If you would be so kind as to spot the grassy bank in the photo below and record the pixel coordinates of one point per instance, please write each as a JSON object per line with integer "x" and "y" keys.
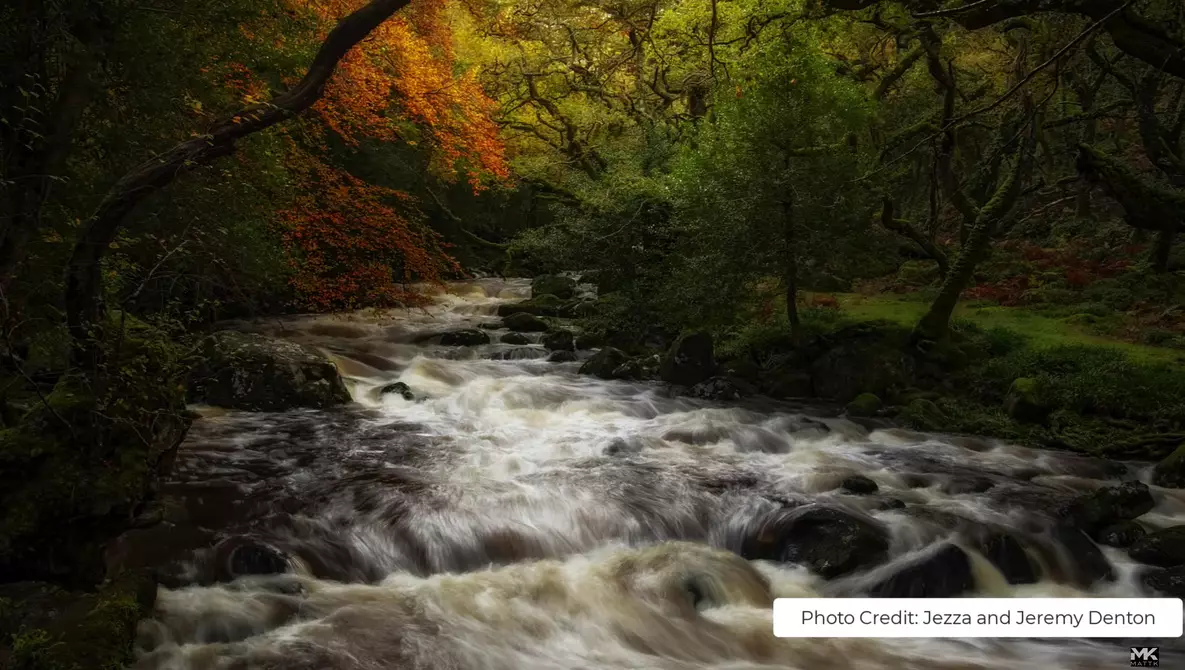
{"x": 1005, "y": 372}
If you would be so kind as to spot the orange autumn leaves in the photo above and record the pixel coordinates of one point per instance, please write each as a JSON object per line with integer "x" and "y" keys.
{"x": 353, "y": 244}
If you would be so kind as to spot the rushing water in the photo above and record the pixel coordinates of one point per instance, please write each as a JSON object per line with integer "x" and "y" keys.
{"x": 518, "y": 515}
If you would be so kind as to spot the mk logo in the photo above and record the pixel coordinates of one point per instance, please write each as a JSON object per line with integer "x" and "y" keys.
{"x": 1145, "y": 657}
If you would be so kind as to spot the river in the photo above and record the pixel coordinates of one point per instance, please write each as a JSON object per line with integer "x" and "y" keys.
{"x": 518, "y": 515}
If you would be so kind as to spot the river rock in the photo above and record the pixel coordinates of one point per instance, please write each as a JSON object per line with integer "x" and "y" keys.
{"x": 559, "y": 340}
{"x": 400, "y": 388}
{"x": 689, "y": 360}
{"x": 464, "y": 338}
{"x": 586, "y": 341}
{"x": 1027, "y": 401}
{"x": 860, "y": 364}
{"x": 525, "y": 323}
{"x": 1010, "y": 558}
{"x": 1107, "y": 506}
{"x": 557, "y": 285}
{"x": 638, "y": 368}
{"x": 944, "y": 573}
{"x": 1170, "y": 473}
{"x": 1167, "y": 581}
{"x": 561, "y": 356}
{"x": 543, "y": 305}
{"x": 253, "y": 372}
{"x": 603, "y": 363}
{"x": 575, "y": 309}
{"x": 716, "y": 388}
{"x": 859, "y": 484}
{"x": 1122, "y": 534}
{"x": 830, "y": 541}
{"x": 514, "y": 338}
{"x": 864, "y": 405}
{"x": 1165, "y": 548}
{"x": 1086, "y": 563}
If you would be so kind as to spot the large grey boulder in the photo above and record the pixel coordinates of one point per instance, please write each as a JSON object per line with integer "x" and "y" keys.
{"x": 253, "y": 372}
{"x": 689, "y": 361}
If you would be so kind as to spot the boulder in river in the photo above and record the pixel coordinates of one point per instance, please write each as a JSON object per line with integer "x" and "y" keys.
{"x": 253, "y": 372}
{"x": 689, "y": 360}
{"x": 603, "y": 363}
{"x": 1107, "y": 506}
{"x": 543, "y": 305}
{"x": 1027, "y": 401}
{"x": 525, "y": 323}
{"x": 1086, "y": 563}
{"x": 860, "y": 363}
{"x": 590, "y": 340}
{"x": 638, "y": 368}
{"x": 859, "y": 484}
{"x": 1165, "y": 548}
{"x": 514, "y": 338}
{"x": 1009, "y": 556}
{"x": 561, "y": 356}
{"x": 559, "y": 340}
{"x": 1122, "y": 534}
{"x": 830, "y": 541}
{"x": 1166, "y": 581}
{"x": 400, "y": 388}
{"x": 864, "y": 405}
{"x": 464, "y": 338}
{"x": 943, "y": 573}
{"x": 557, "y": 285}
{"x": 716, "y": 388}
{"x": 1170, "y": 473}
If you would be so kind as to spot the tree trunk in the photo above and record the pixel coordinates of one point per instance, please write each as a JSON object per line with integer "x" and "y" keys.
{"x": 1082, "y": 204}
{"x": 790, "y": 268}
{"x": 84, "y": 283}
{"x": 1162, "y": 249}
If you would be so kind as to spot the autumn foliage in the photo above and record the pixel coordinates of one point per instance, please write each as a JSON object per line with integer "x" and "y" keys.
{"x": 353, "y": 244}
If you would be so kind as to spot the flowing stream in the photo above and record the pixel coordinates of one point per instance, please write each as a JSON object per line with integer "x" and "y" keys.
{"x": 518, "y": 515}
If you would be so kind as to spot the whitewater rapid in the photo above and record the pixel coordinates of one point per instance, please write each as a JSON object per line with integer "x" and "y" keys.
{"x": 518, "y": 515}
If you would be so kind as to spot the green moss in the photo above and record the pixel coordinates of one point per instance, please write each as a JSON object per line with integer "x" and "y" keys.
{"x": 1171, "y": 471}
{"x": 863, "y": 405}
{"x": 33, "y": 650}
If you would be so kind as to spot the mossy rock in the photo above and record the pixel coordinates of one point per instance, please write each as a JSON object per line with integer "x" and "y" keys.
{"x": 1027, "y": 400}
{"x": 540, "y": 305}
{"x": 61, "y": 630}
{"x": 556, "y": 285}
{"x": 1170, "y": 472}
{"x": 257, "y": 373}
{"x": 923, "y": 414}
{"x": 864, "y": 405}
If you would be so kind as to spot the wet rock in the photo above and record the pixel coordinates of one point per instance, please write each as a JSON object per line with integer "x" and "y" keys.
{"x": 965, "y": 485}
{"x": 557, "y": 285}
{"x": 490, "y": 325}
{"x": 1085, "y": 562}
{"x": 252, "y": 372}
{"x": 638, "y": 368}
{"x": 464, "y": 338}
{"x": 860, "y": 485}
{"x": 603, "y": 363}
{"x": 575, "y": 309}
{"x": 716, "y": 388}
{"x": 689, "y": 360}
{"x": 1167, "y": 581}
{"x": 1010, "y": 558}
{"x": 561, "y": 357}
{"x": 1170, "y": 473}
{"x": 944, "y": 573}
{"x": 400, "y": 388}
{"x": 1122, "y": 534}
{"x": 1107, "y": 506}
{"x": 861, "y": 363}
{"x": 890, "y": 503}
{"x": 522, "y": 322}
{"x": 238, "y": 556}
{"x": 829, "y": 541}
{"x": 543, "y": 305}
{"x": 586, "y": 341}
{"x": 923, "y": 414}
{"x": 622, "y": 447}
{"x": 559, "y": 340}
{"x": 785, "y": 383}
{"x": 1027, "y": 401}
{"x": 1164, "y": 548}
{"x": 514, "y": 338}
{"x": 864, "y": 405}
